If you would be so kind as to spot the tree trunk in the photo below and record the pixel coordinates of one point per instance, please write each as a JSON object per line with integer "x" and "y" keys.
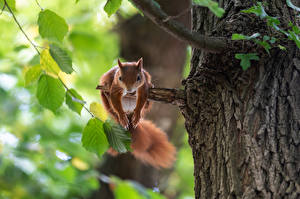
{"x": 244, "y": 127}
{"x": 162, "y": 55}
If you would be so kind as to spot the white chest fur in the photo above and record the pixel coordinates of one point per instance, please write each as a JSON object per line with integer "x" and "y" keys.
{"x": 128, "y": 104}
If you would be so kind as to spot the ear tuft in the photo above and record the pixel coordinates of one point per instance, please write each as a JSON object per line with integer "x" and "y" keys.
{"x": 119, "y": 63}
{"x": 139, "y": 63}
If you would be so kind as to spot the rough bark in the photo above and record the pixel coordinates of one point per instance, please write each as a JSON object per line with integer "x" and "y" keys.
{"x": 244, "y": 127}
{"x": 162, "y": 55}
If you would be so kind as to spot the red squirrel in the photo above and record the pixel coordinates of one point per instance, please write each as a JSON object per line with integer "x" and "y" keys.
{"x": 127, "y": 102}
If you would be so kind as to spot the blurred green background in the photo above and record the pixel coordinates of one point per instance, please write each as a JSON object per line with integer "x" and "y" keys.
{"x": 41, "y": 155}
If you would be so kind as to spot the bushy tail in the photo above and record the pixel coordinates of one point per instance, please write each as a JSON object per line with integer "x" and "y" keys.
{"x": 151, "y": 145}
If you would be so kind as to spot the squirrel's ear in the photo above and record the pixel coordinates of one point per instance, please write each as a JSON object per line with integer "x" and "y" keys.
{"x": 139, "y": 63}
{"x": 119, "y": 63}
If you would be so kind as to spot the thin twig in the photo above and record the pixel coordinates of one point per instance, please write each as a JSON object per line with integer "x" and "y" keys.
{"x": 178, "y": 30}
{"x": 35, "y": 47}
{"x": 39, "y": 5}
{"x": 20, "y": 27}
{"x": 2, "y": 9}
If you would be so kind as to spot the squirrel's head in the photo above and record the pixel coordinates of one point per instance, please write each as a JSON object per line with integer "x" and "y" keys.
{"x": 130, "y": 75}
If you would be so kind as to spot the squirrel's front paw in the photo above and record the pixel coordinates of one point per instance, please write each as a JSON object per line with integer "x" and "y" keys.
{"x": 135, "y": 118}
{"x": 124, "y": 121}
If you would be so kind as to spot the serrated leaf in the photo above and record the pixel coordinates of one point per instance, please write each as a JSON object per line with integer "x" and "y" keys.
{"x": 48, "y": 64}
{"x": 112, "y": 6}
{"x": 98, "y": 110}
{"x": 62, "y": 58}
{"x": 11, "y": 4}
{"x": 32, "y": 74}
{"x": 118, "y": 138}
{"x": 74, "y": 101}
{"x": 50, "y": 92}
{"x": 212, "y": 6}
{"x": 291, "y": 5}
{"x": 52, "y": 26}
{"x": 93, "y": 137}
{"x": 245, "y": 59}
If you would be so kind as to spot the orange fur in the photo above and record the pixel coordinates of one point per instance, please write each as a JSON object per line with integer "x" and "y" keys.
{"x": 151, "y": 145}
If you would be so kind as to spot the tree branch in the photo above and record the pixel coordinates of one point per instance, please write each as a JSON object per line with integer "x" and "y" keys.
{"x": 159, "y": 17}
{"x": 165, "y": 95}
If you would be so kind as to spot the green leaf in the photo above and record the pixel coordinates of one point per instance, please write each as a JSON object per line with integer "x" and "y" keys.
{"x": 11, "y": 4}
{"x": 273, "y": 40}
{"x": 118, "y": 138}
{"x": 62, "y": 58}
{"x": 273, "y": 22}
{"x": 74, "y": 101}
{"x": 98, "y": 110}
{"x": 112, "y": 6}
{"x": 135, "y": 190}
{"x": 50, "y": 92}
{"x": 32, "y": 74}
{"x": 52, "y": 26}
{"x": 125, "y": 190}
{"x": 48, "y": 64}
{"x": 266, "y": 37}
{"x": 93, "y": 137}
{"x": 155, "y": 195}
{"x": 236, "y": 36}
{"x": 244, "y": 37}
{"x": 258, "y": 10}
{"x": 291, "y": 5}
{"x": 293, "y": 36}
{"x": 20, "y": 47}
{"x": 296, "y": 29}
{"x": 35, "y": 60}
{"x": 212, "y": 5}
{"x": 245, "y": 59}
{"x": 281, "y": 47}
{"x": 264, "y": 44}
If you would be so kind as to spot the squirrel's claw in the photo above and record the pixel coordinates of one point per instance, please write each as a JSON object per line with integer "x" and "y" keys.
{"x": 136, "y": 119}
{"x": 124, "y": 121}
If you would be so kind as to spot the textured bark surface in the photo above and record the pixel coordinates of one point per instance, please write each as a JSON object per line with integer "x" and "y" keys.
{"x": 244, "y": 127}
{"x": 162, "y": 55}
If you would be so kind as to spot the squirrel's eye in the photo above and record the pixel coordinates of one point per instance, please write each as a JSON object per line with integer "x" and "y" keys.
{"x": 138, "y": 78}
{"x": 120, "y": 78}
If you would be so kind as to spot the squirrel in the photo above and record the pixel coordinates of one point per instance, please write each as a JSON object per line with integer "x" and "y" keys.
{"x": 127, "y": 102}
